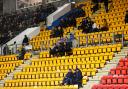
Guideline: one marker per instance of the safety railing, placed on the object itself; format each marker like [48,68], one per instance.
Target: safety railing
[85,40]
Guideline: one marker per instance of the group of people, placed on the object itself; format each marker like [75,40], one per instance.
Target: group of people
[70,18]
[88,26]
[57,32]
[64,45]
[12,49]
[14,23]
[96,5]
[73,78]
[26,47]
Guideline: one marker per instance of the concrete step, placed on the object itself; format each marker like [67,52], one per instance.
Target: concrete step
[90,84]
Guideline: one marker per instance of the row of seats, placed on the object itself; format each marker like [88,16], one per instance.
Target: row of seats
[97,49]
[8,58]
[89,50]
[6,70]
[112,86]
[74,59]
[10,64]
[98,64]
[114,79]
[119,71]
[44,87]
[34,82]
[50,74]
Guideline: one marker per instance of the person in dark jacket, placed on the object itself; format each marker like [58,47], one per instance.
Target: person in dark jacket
[25,40]
[78,77]
[96,6]
[106,4]
[6,50]
[68,79]
[126,17]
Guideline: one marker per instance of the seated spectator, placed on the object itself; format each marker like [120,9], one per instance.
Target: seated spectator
[72,37]
[78,77]
[105,26]
[57,32]
[75,43]
[54,50]
[62,23]
[68,46]
[60,31]
[68,79]
[83,23]
[126,17]
[88,26]
[28,47]
[70,19]
[61,49]
[25,40]
[94,27]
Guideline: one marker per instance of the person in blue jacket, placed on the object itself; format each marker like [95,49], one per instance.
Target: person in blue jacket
[68,79]
[78,77]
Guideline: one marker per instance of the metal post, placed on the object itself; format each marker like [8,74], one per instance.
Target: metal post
[1,50]
[48,44]
[16,49]
[122,38]
[41,46]
[86,41]
[113,36]
[99,37]
[79,41]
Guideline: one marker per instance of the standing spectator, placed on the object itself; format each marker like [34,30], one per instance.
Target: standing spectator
[25,40]
[14,48]
[68,79]
[6,50]
[126,17]
[78,77]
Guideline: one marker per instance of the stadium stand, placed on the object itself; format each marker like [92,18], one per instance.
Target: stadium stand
[22,20]
[94,52]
